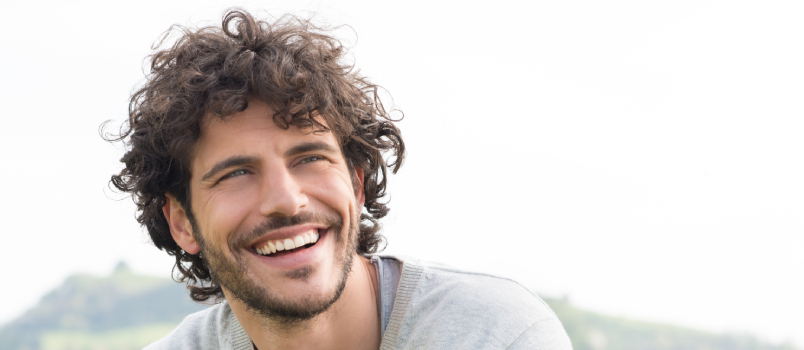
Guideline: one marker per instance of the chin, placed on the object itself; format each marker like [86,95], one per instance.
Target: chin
[287,295]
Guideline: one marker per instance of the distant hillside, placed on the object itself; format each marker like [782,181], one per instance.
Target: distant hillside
[126,311]
[593,331]
[121,311]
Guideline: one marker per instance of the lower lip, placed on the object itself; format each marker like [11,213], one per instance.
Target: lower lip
[297,258]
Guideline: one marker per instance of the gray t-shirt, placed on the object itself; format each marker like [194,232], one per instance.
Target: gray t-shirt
[389,271]
[423,306]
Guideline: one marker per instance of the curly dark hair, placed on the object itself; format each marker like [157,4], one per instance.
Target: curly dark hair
[291,65]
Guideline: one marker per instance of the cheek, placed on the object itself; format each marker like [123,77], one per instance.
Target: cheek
[335,192]
[224,211]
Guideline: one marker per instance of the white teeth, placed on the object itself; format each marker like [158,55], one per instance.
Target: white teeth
[263,251]
[289,244]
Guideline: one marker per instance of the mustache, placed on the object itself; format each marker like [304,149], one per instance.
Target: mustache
[272,223]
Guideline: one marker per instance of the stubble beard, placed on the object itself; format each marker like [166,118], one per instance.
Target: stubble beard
[233,274]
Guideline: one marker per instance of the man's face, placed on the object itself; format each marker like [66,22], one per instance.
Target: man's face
[254,183]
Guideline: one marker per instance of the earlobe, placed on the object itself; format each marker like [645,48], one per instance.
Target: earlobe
[180,227]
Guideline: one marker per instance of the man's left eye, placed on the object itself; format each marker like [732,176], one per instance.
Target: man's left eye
[311,159]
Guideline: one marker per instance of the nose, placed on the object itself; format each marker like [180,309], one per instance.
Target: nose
[282,193]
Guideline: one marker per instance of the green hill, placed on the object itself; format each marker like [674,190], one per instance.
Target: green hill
[128,311]
[121,311]
[593,331]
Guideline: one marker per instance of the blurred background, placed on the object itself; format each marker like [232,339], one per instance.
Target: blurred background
[642,160]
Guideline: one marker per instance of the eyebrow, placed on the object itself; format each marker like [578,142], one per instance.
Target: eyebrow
[310,146]
[228,163]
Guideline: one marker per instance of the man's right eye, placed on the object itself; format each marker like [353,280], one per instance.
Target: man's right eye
[235,173]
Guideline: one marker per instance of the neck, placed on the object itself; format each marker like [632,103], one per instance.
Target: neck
[352,322]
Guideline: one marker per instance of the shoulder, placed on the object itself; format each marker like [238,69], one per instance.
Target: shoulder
[202,330]
[448,306]
[448,288]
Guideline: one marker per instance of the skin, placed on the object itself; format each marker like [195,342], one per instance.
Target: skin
[276,178]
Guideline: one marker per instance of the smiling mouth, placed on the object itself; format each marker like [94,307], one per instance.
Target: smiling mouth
[277,247]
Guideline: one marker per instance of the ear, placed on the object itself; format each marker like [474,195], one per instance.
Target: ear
[180,227]
[359,190]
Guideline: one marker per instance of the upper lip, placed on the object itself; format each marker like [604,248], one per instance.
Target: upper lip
[285,232]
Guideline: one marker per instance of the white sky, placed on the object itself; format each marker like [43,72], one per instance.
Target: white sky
[644,158]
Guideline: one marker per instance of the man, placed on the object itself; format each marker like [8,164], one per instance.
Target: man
[255,157]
